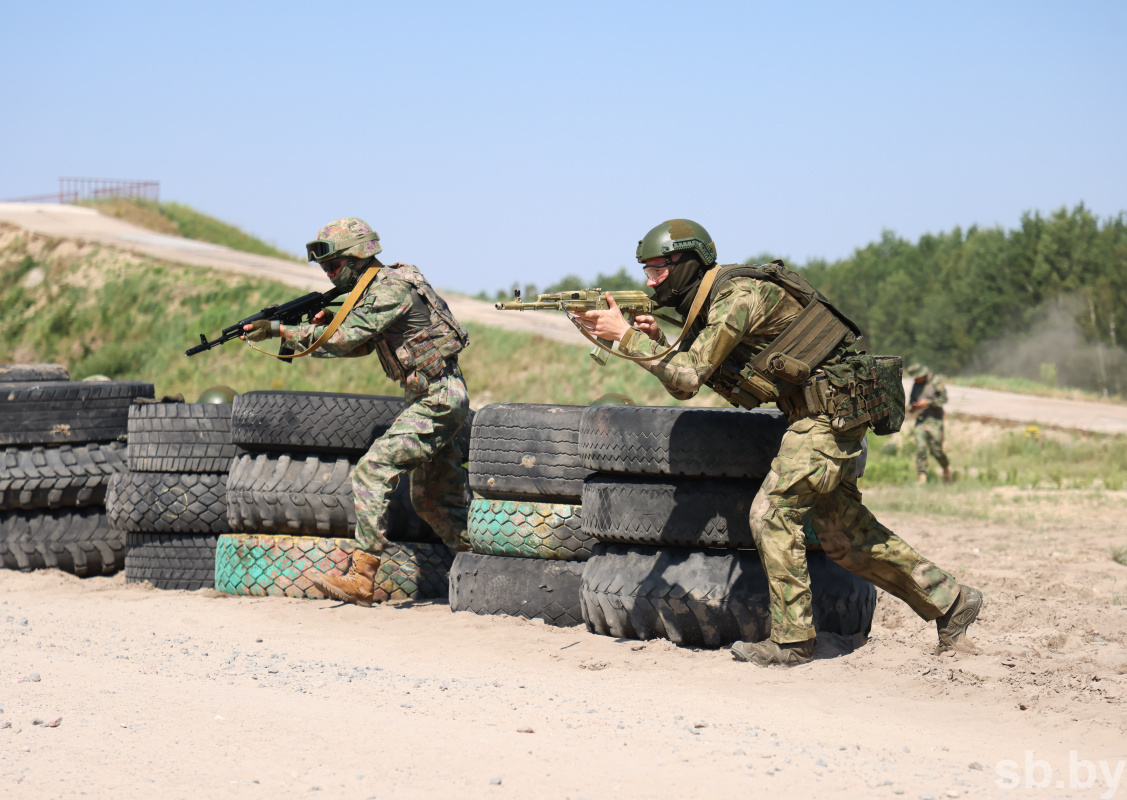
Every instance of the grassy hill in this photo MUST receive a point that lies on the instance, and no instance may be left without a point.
(177, 219)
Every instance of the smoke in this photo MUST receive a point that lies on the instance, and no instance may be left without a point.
(1055, 350)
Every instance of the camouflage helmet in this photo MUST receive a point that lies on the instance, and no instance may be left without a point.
(677, 234)
(918, 370)
(347, 236)
(218, 394)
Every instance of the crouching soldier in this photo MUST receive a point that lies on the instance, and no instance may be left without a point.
(401, 319)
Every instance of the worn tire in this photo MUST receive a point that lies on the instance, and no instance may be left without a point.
(533, 588)
(262, 564)
(67, 413)
(325, 423)
(180, 437)
(32, 373)
(678, 512)
(58, 477)
(521, 450)
(527, 529)
(310, 496)
(171, 560)
(684, 442)
(168, 502)
(708, 598)
(78, 541)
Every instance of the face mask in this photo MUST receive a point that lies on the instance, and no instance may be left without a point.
(350, 273)
(683, 278)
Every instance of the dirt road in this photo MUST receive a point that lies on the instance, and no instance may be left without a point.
(177, 694)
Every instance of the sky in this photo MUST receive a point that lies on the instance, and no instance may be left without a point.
(495, 143)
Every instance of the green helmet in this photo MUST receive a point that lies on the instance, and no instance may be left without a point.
(677, 234)
(218, 394)
(918, 370)
(612, 399)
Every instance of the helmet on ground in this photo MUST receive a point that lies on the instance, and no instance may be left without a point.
(674, 235)
(612, 399)
(918, 370)
(218, 394)
(341, 238)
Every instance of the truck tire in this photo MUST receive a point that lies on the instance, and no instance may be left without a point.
(58, 477)
(67, 413)
(322, 423)
(310, 496)
(79, 541)
(521, 450)
(168, 502)
(708, 598)
(680, 442)
(180, 437)
(533, 588)
(33, 373)
(273, 565)
(171, 560)
(526, 529)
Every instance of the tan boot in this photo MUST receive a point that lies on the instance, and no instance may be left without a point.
(947, 475)
(357, 586)
(768, 653)
(922, 479)
(953, 625)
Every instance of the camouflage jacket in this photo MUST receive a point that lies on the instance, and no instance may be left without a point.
(934, 393)
(745, 316)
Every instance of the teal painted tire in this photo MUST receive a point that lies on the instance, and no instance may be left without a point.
(261, 565)
(527, 529)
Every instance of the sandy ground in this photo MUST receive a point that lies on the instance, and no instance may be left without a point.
(182, 694)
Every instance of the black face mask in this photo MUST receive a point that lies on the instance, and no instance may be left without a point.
(680, 285)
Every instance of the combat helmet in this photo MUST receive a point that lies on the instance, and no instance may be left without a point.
(347, 237)
(918, 370)
(677, 234)
(218, 395)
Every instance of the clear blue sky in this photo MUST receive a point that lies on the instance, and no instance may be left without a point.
(488, 142)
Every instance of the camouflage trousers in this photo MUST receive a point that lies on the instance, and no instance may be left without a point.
(421, 442)
(929, 439)
(814, 476)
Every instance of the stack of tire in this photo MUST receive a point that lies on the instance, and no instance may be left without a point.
(525, 525)
(172, 503)
(669, 499)
(290, 499)
(64, 443)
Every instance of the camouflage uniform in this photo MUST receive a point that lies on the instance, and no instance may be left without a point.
(814, 474)
(421, 440)
(929, 422)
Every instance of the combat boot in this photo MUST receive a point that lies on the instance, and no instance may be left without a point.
(953, 625)
(768, 653)
(947, 475)
(356, 586)
(922, 479)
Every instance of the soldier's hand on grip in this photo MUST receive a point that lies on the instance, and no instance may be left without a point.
(646, 324)
(605, 323)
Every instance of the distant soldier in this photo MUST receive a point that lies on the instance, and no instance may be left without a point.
(743, 313)
(401, 319)
(928, 397)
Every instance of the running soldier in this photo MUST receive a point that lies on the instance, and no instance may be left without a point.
(928, 397)
(764, 333)
(417, 339)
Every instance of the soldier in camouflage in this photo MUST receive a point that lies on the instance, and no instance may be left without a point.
(417, 339)
(815, 472)
(928, 397)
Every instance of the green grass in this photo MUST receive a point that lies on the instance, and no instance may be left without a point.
(1025, 386)
(129, 317)
(183, 220)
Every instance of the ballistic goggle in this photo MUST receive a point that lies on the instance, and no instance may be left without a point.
(320, 250)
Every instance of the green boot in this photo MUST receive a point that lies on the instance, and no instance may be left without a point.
(953, 625)
(770, 654)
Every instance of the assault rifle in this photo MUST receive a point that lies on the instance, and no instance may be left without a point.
(289, 313)
(631, 302)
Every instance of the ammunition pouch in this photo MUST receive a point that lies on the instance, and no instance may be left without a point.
(861, 390)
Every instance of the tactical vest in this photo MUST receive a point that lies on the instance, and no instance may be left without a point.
(415, 355)
(806, 370)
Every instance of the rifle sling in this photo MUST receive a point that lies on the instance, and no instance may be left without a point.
(352, 299)
(694, 310)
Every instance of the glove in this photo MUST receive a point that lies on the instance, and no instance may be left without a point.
(259, 331)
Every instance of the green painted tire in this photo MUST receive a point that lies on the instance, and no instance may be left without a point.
(528, 530)
(261, 565)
